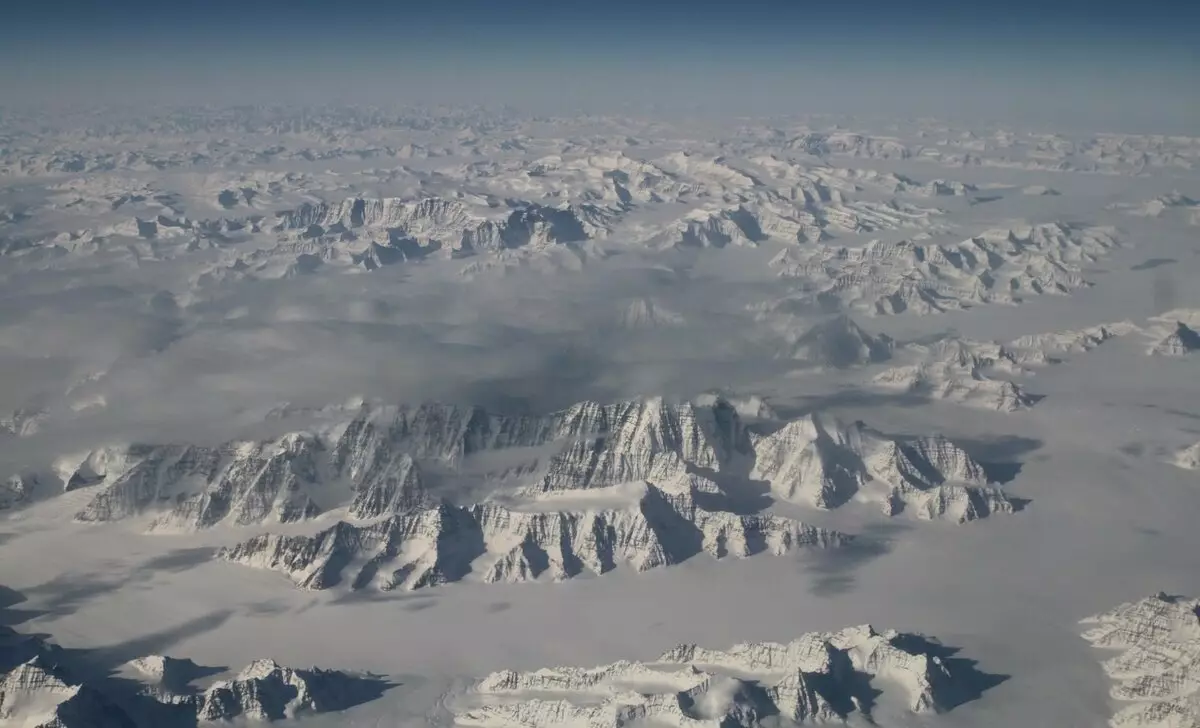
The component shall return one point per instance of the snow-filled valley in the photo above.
(463, 417)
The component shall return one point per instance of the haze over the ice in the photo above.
(1106, 65)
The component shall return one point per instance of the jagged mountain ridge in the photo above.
(445, 543)
(371, 462)
(672, 451)
(817, 678)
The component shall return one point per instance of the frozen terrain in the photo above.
(437, 398)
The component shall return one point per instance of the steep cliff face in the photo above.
(818, 678)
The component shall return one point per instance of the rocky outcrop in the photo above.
(1156, 671)
(817, 678)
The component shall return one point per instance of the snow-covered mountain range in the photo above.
(814, 679)
(665, 482)
(376, 461)
(998, 266)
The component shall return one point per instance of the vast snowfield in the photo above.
(377, 418)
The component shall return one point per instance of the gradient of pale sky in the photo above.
(1054, 59)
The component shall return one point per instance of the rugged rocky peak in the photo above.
(643, 440)
(39, 694)
(265, 690)
(812, 461)
(824, 463)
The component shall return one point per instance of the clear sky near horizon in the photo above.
(1092, 64)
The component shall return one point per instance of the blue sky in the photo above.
(1053, 57)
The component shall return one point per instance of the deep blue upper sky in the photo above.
(1044, 52)
(1166, 19)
